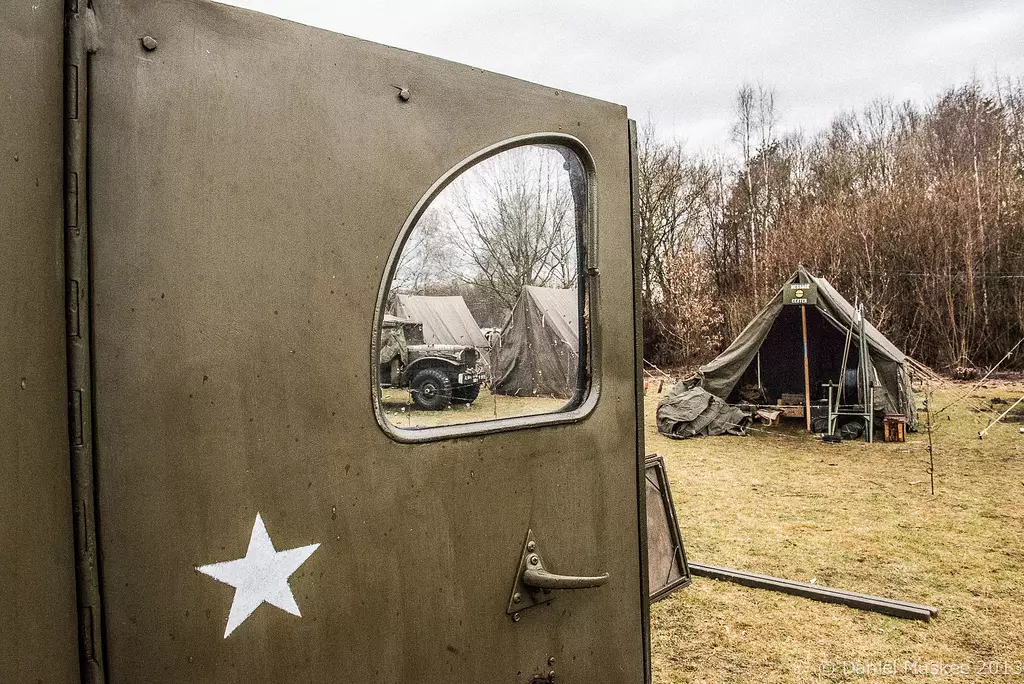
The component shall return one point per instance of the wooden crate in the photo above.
(791, 405)
(895, 427)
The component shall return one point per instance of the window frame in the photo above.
(585, 399)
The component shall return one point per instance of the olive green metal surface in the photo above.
(249, 179)
(38, 639)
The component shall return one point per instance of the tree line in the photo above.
(915, 210)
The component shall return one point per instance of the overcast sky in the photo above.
(679, 64)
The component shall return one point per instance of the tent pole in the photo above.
(760, 387)
(842, 370)
(807, 374)
(867, 391)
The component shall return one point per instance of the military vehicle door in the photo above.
(38, 639)
(251, 183)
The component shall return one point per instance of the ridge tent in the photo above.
(446, 320)
(767, 357)
(537, 352)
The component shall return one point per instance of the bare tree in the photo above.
(673, 209)
(918, 211)
(511, 222)
(426, 260)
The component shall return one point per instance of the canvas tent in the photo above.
(446, 320)
(768, 355)
(537, 352)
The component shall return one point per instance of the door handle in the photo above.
(534, 583)
(542, 579)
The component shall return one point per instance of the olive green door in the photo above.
(258, 521)
(38, 616)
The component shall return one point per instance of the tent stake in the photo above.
(807, 374)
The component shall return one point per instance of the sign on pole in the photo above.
(800, 293)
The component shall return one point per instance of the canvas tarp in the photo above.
(446, 320)
(537, 352)
(776, 333)
(396, 336)
(392, 340)
(687, 411)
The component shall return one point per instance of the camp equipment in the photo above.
(894, 426)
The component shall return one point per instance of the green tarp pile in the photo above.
(393, 341)
(691, 411)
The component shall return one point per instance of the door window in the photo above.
(485, 311)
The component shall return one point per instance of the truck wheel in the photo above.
(466, 394)
(431, 390)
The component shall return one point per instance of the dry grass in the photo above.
(857, 517)
(400, 410)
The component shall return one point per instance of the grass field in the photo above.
(400, 410)
(857, 517)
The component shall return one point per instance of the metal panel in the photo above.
(249, 178)
(638, 394)
(666, 558)
(38, 640)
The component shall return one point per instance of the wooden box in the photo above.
(895, 427)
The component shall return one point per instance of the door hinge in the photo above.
(88, 639)
(79, 43)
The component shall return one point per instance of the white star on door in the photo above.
(261, 576)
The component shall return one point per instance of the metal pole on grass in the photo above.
(867, 393)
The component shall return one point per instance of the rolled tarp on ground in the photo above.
(537, 352)
(688, 411)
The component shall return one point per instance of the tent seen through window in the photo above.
(483, 312)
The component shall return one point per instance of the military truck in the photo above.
(436, 375)
(202, 209)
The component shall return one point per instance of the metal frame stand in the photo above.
(867, 412)
(866, 382)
